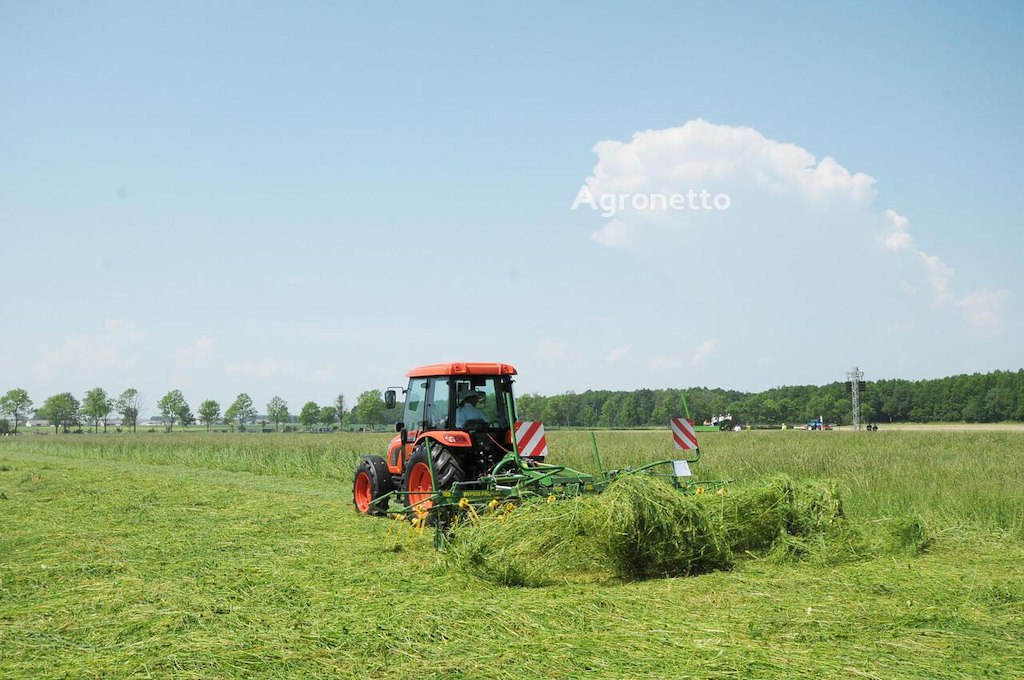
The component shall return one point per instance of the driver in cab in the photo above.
(467, 410)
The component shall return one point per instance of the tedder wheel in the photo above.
(372, 481)
(417, 474)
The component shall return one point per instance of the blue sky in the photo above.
(310, 198)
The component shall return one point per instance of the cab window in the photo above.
(415, 404)
(491, 395)
(437, 403)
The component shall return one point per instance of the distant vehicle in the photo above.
(815, 424)
(722, 423)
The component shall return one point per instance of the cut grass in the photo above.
(956, 479)
(951, 479)
(158, 561)
(302, 456)
(641, 528)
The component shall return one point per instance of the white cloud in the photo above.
(200, 350)
(323, 374)
(264, 369)
(665, 363)
(795, 228)
(939, 276)
(719, 159)
(703, 350)
(616, 355)
(907, 287)
(551, 349)
(91, 354)
(121, 329)
(277, 370)
(983, 309)
(899, 235)
(614, 234)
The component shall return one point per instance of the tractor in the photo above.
(455, 428)
(459, 448)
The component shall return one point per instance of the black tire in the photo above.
(447, 468)
(371, 481)
(447, 471)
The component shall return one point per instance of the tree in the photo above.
(328, 414)
(241, 410)
(610, 410)
(209, 413)
(173, 406)
(998, 401)
(339, 409)
(629, 412)
(277, 411)
(128, 405)
(559, 410)
(370, 408)
(587, 416)
(530, 407)
(310, 414)
(185, 415)
(96, 406)
(16, 404)
(60, 410)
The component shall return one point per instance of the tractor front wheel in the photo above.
(372, 481)
(418, 481)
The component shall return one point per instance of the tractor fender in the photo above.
(398, 454)
(446, 438)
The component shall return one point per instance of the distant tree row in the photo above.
(174, 408)
(95, 409)
(64, 410)
(989, 397)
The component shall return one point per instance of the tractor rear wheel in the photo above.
(418, 482)
(372, 481)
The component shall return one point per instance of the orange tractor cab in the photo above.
(456, 427)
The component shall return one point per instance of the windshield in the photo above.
(481, 402)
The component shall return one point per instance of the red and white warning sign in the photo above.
(531, 440)
(683, 434)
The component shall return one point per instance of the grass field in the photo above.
(194, 555)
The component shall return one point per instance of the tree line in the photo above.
(990, 397)
(96, 408)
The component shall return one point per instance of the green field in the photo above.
(194, 555)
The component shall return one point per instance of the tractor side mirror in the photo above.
(389, 398)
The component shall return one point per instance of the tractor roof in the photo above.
(462, 368)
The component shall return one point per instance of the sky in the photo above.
(310, 198)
